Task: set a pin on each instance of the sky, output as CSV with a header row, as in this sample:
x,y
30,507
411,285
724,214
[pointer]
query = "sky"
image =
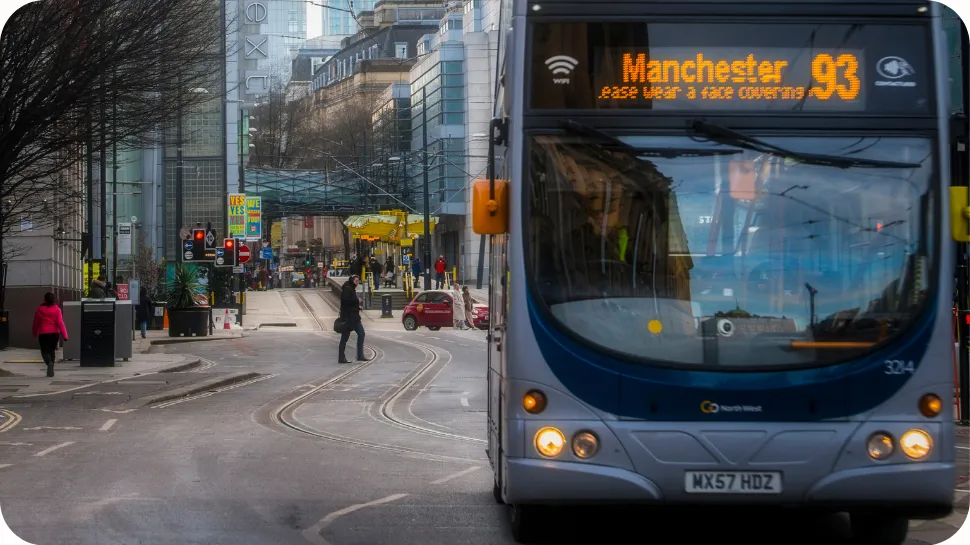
x,y
314,21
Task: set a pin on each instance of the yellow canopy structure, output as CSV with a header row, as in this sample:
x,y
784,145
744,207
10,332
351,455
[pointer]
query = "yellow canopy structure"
x,y
388,226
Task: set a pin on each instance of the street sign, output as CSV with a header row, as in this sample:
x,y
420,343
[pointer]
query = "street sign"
x,y
210,239
267,253
220,261
189,256
238,270
244,253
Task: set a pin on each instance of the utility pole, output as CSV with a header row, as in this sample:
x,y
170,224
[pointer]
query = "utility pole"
x,y
89,217
103,202
426,241
114,190
179,167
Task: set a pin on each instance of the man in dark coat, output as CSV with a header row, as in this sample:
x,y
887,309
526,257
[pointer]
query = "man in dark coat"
x,y
350,312
96,290
144,312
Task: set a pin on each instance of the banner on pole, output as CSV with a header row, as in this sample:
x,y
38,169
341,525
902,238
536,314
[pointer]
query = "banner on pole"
x,y
236,213
254,218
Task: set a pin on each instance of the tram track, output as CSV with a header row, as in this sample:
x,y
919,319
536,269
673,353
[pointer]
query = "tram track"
x,y
383,411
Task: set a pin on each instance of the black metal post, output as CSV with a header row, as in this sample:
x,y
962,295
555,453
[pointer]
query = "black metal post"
x,y
179,167
114,192
89,217
426,240
103,202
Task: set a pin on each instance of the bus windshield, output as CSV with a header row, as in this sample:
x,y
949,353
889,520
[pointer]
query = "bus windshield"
x,y
685,251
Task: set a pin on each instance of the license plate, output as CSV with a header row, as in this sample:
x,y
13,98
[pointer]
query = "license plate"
x,y
733,482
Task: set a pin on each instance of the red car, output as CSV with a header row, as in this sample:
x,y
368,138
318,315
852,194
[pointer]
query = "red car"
x,y
434,309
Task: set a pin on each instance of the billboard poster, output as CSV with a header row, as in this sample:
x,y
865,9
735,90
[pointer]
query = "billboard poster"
x,y
254,218
236,213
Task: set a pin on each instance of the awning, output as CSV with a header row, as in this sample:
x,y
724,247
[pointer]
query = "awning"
x,y
389,228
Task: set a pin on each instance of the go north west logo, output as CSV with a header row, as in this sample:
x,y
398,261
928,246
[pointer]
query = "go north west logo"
x,y
709,407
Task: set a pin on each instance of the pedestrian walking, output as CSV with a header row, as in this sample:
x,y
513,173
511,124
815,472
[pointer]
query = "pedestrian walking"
x,y
416,269
350,314
458,308
144,312
469,304
49,328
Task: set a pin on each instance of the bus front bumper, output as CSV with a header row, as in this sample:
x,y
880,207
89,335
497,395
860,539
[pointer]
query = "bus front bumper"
x,y
922,490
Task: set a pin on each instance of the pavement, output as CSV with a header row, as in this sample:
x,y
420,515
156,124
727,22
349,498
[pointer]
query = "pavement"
x,y
269,440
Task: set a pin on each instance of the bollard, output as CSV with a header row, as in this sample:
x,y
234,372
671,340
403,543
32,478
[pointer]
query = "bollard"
x,y
386,302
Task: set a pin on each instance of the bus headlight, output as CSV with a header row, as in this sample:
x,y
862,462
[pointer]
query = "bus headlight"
x,y
879,446
534,402
916,444
585,444
549,442
930,405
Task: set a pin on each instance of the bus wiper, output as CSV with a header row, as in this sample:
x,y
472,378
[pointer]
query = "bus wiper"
x,y
725,135
611,141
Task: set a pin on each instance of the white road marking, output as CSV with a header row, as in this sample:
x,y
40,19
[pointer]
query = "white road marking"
x,y
52,428
5,465
464,399
107,425
461,473
126,411
49,450
15,444
312,534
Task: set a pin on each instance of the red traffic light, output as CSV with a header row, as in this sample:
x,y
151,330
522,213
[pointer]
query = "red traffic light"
x,y
229,243
199,235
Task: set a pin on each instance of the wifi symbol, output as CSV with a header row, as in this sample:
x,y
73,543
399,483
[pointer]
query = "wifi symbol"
x,y
561,64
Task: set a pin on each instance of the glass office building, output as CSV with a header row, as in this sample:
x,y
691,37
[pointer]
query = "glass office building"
x,y
338,21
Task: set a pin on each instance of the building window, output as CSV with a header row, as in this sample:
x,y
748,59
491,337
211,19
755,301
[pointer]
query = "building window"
x,y
401,50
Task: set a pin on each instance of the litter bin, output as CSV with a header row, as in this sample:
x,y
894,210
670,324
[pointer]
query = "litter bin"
x,y
157,321
97,334
386,302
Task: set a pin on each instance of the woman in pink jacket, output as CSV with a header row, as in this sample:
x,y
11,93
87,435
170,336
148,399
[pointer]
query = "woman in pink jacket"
x,y
48,328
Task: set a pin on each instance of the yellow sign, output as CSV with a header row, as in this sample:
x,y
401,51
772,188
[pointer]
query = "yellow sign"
x,y
91,271
709,407
237,215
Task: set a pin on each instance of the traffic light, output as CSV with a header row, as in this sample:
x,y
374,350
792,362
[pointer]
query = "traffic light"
x,y
308,260
198,245
232,252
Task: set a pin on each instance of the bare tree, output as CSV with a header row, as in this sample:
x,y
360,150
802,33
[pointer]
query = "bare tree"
x,y
280,119
105,71
146,265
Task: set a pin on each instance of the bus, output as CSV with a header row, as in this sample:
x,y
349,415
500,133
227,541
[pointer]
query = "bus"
x,y
717,276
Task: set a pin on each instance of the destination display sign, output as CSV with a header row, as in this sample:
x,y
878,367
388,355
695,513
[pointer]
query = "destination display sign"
x,y
691,67
733,78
